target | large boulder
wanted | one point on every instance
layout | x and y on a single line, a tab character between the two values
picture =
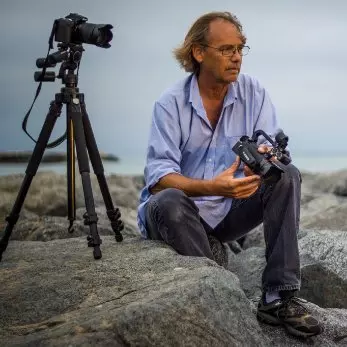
324	271
141	293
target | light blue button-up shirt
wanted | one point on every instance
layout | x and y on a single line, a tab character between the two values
182	140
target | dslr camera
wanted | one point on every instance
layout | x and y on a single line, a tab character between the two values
74	29
260	163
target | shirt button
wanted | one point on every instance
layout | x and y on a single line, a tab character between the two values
209	160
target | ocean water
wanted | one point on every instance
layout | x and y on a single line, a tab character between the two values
135	167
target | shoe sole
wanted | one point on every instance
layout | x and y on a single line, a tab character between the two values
268	319
299	333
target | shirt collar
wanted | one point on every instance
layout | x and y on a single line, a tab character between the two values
195	97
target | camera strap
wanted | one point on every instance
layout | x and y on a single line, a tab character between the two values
61	139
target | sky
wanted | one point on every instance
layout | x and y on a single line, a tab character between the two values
298	53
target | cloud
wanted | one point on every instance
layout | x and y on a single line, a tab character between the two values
296	53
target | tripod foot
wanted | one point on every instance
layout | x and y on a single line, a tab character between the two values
97	252
119	237
71	228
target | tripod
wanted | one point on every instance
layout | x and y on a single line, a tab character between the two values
80	138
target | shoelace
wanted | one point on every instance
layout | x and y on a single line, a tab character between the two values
297	303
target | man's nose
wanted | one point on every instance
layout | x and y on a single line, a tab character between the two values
236	56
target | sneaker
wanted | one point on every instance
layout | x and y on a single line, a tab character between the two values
289	312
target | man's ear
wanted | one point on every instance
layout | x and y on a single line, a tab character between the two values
198	53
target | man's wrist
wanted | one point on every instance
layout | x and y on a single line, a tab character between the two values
210	187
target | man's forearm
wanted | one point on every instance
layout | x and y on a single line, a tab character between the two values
191	186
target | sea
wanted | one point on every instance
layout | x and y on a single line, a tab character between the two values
313	164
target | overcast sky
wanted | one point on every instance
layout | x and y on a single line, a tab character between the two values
298	53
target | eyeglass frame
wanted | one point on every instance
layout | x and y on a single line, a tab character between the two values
235	48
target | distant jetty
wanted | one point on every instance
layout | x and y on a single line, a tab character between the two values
53	157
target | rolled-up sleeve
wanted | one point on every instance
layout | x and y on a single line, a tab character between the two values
163	155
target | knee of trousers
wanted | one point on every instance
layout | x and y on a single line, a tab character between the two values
173	204
291	175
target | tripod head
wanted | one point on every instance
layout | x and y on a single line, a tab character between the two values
69	55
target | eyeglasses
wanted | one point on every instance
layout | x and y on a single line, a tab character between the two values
229	51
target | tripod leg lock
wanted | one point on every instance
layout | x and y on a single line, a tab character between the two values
92	242
114	216
90	219
116	223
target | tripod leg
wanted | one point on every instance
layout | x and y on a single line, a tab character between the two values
71	174
112	213
74	113
34	162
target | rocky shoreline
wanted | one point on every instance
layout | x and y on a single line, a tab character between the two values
142	293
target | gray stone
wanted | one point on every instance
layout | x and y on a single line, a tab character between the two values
255	238
248	266
141	293
324	268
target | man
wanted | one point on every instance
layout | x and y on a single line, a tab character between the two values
195	184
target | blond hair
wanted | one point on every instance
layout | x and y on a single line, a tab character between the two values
197	35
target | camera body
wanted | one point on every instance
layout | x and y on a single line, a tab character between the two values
75	29
260	163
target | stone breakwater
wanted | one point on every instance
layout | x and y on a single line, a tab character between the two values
48	157
142	293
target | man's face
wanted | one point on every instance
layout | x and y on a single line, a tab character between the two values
223	69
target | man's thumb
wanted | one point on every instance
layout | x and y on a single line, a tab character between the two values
235	165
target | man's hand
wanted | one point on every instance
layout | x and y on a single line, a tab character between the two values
264	148
239	188
261	149
247	171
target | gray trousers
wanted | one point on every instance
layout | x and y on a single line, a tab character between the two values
173	217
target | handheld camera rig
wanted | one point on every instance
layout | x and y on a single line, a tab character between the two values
260	163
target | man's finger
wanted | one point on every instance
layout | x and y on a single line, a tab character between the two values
235	165
245	193
247	180
247	171
263	148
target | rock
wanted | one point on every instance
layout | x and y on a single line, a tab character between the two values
334	182
325	217
340	187
48	196
46	228
248	266
222	252
141	293
255	238
324	268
